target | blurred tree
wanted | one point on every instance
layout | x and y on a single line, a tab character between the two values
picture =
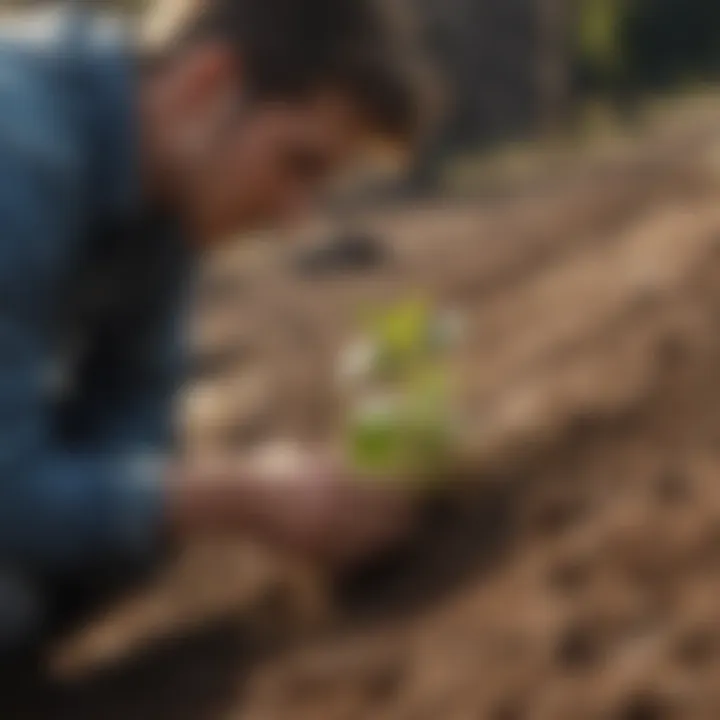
627	47
673	41
602	53
600	29
554	63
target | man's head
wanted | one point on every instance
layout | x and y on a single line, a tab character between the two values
258	103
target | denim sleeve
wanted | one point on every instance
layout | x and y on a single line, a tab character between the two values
60	510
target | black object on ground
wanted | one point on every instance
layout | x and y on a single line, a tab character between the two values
350	252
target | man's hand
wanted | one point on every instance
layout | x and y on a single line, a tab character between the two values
300	503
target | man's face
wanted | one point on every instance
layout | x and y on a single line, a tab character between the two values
248	164
275	161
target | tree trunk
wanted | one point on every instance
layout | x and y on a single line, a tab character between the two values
554	68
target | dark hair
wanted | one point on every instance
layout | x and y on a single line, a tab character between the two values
291	48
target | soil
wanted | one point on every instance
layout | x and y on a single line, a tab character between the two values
571	573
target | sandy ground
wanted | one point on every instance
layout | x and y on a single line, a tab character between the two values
572	575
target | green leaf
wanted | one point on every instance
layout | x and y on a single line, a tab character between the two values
406	434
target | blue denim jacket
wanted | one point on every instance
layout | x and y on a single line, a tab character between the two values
91	289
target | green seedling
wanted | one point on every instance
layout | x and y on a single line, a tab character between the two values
404	429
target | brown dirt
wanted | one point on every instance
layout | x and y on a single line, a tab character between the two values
575	577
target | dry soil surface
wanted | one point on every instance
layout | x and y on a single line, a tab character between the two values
573	574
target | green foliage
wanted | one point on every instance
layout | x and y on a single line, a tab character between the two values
599	32
400	335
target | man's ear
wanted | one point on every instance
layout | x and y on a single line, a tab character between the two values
202	94
212	70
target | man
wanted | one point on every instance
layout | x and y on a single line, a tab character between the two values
114	175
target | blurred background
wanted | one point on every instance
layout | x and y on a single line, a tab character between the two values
568	209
